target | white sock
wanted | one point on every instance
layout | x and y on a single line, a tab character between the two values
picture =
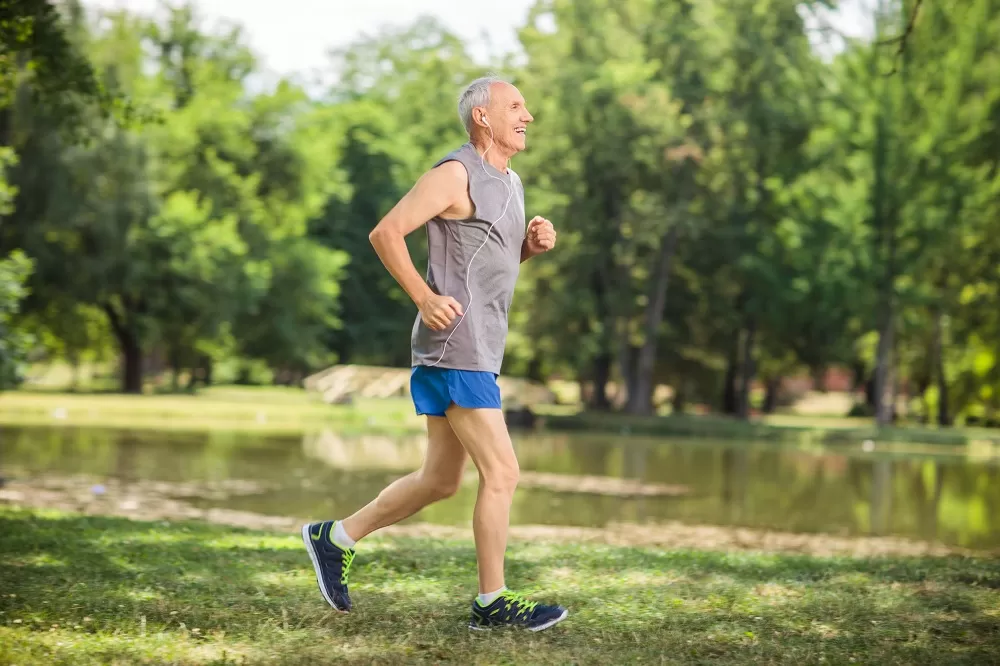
340	537
487	599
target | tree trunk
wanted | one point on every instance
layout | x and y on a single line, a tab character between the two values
680	396
883	371
602	375
884	218
818	376
870	400
924	381
130	348
729	389
748	370
859	378
602	363
206	362
771	397
132	352
6	116
627	353
74	363
640	393
535	368
943	417
175	368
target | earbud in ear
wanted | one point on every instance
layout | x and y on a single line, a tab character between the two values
485	121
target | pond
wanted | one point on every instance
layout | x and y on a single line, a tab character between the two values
567	479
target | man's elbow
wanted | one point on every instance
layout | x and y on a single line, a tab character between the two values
377	236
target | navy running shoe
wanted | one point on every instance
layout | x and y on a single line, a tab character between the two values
512	610
331	562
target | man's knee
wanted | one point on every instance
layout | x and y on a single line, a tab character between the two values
441	485
501	475
485	435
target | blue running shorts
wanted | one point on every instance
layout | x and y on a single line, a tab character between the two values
434	389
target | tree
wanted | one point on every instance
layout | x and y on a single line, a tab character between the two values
170	229
38	58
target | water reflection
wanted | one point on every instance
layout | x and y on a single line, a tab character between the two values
574	480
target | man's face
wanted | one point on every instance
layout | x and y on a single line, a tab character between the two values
508	117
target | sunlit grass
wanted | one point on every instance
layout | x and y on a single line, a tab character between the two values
142	592
265	410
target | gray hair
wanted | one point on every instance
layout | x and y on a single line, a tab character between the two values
475	94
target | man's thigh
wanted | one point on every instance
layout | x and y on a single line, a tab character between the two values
445	455
483	433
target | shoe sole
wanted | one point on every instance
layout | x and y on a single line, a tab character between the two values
307	540
542	627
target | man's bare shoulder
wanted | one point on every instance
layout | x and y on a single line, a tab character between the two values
452	170
450	180
449	176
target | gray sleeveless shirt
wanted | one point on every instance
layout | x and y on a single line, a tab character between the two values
478	338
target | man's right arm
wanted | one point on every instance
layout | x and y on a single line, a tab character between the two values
434	193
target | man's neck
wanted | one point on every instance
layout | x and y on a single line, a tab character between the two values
497	158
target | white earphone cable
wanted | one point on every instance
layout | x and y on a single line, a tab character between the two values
468	269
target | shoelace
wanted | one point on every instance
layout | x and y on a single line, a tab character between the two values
347	559
513	598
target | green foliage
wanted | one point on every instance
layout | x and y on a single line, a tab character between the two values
289	327
188	234
733	206
14	271
8	158
33	33
41	57
814	201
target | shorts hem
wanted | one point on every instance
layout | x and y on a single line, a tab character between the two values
463	404
436	392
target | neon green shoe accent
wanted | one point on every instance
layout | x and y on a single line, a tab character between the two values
348	559
524	607
315	537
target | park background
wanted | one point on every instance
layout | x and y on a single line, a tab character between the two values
755	390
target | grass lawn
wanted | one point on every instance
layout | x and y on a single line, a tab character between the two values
98	590
258	409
